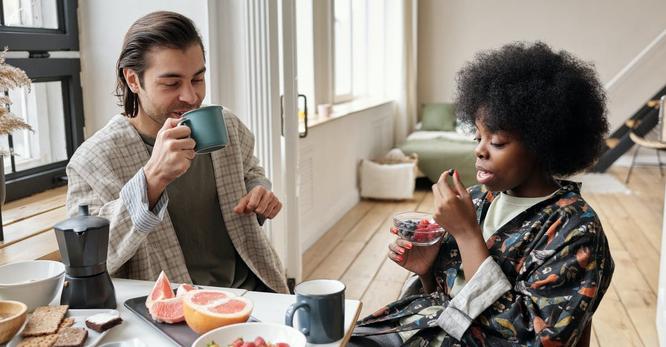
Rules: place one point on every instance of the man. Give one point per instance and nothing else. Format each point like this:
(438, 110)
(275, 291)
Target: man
(197, 217)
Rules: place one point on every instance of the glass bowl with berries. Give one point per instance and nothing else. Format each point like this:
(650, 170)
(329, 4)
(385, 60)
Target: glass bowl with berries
(418, 228)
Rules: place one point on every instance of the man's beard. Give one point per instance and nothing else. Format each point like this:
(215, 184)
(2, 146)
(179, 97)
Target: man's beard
(156, 116)
(159, 117)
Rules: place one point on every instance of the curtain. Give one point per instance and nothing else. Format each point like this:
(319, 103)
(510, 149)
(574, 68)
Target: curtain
(401, 26)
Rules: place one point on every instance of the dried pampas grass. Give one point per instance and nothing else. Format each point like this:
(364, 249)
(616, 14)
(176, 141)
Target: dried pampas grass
(11, 77)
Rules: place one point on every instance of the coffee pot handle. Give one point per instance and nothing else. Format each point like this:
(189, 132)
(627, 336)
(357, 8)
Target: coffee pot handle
(289, 316)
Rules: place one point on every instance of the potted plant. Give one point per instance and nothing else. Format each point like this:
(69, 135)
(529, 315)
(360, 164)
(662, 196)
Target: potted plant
(10, 77)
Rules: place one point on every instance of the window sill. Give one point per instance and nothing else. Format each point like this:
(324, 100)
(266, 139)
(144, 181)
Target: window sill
(348, 108)
(28, 225)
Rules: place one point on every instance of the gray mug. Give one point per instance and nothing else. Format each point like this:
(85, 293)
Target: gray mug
(322, 310)
(208, 128)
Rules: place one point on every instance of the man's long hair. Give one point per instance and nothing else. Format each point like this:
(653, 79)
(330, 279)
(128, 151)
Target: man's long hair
(160, 29)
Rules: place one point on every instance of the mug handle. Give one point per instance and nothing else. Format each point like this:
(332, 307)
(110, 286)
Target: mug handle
(183, 121)
(289, 316)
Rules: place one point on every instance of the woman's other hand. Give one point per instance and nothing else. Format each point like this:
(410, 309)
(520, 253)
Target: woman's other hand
(417, 259)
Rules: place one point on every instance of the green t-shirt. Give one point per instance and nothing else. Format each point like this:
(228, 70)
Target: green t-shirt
(194, 208)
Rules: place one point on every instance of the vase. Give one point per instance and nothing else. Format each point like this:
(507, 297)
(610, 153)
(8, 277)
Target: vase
(2, 193)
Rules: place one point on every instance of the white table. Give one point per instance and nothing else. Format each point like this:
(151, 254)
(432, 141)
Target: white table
(267, 308)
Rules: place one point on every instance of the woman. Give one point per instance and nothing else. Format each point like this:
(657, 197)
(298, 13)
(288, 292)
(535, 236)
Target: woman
(525, 260)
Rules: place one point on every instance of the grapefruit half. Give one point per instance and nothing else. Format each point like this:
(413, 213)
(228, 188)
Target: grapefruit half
(209, 309)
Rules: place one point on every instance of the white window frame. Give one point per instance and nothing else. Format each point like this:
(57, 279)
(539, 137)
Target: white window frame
(345, 97)
(323, 14)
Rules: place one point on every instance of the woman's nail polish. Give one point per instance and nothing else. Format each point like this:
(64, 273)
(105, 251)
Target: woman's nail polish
(408, 246)
(450, 172)
(401, 251)
(398, 258)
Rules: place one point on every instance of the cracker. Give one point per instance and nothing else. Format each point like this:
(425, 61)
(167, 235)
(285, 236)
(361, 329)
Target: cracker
(66, 323)
(45, 320)
(72, 337)
(39, 341)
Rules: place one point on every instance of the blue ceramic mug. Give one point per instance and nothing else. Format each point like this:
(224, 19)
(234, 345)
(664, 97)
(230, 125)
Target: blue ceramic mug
(208, 128)
(321, 307)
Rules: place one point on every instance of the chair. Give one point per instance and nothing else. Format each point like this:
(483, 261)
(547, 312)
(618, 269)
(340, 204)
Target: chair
(585, 337)
(640, 141)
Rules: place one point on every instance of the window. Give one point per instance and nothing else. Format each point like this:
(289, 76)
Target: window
(343, 51)
(54, 106)
(43, 109)
(32, 14)
(39, 25)
(336, 41)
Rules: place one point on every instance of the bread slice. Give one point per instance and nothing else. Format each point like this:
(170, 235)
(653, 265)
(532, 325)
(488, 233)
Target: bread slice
(103, 321)
(71, 337)
(45, 320)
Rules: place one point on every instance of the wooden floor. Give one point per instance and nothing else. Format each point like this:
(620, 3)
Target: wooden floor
(354, 251)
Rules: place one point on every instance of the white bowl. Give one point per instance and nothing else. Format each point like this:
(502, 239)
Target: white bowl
(34, 282)
(271, 332)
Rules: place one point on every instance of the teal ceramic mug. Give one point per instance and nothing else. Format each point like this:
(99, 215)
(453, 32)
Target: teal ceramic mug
(208, 128)
(321, 310)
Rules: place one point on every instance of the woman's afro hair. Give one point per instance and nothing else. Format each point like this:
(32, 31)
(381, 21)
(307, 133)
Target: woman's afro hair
(552, 101)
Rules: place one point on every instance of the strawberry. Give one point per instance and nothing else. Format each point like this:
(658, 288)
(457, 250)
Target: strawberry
(260, 342)
(419, 237)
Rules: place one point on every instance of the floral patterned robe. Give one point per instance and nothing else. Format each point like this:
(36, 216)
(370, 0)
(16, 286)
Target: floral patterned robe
(554, 254)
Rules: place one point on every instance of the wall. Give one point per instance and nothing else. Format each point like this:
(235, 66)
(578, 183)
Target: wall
(102, 27)
(328, 166)
(227, 50)
(640, 79)
(661, 295)
(608, 33)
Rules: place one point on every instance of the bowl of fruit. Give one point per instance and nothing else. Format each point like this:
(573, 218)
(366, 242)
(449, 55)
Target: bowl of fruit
(418, 228)
(252, 335)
